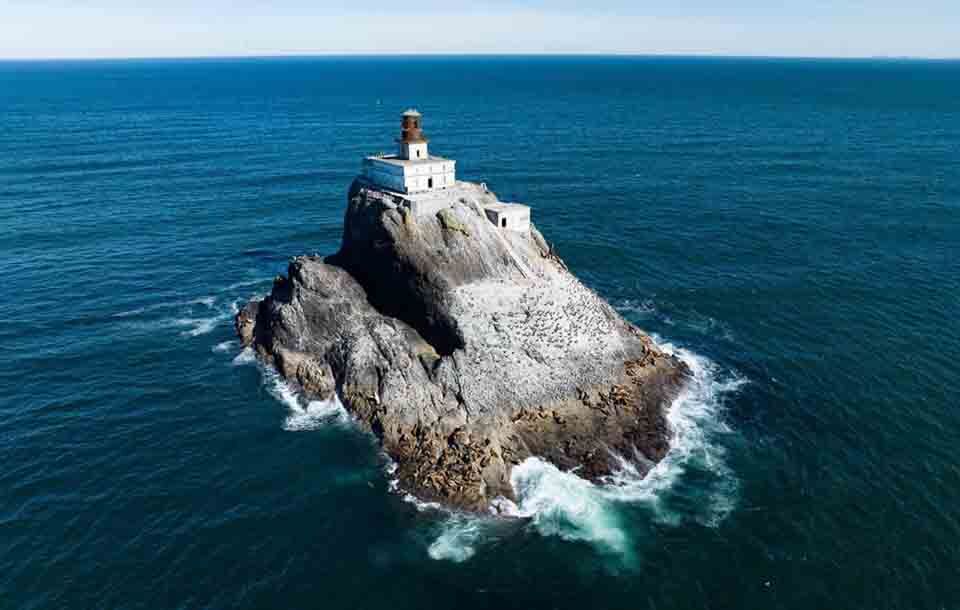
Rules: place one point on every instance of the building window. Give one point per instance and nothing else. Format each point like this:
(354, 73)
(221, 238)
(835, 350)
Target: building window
(429, 183)
(503, 223)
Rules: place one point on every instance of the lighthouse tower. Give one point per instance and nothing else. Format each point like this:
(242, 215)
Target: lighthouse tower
(413, 169)
(413, 144)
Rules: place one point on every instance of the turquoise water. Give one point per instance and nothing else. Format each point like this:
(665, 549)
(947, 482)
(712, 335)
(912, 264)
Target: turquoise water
(789, 227)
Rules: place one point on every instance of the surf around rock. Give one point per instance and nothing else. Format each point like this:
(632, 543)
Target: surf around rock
(465, 348)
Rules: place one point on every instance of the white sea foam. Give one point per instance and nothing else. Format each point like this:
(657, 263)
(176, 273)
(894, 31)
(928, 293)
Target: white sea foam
(225, 346)
(131, 312)
(559, 503)
(304, 414)
(207, 324)
(197, 317)
(207, 301)
(457, 539)
(421, 505)
(315, 414)
(562, 504)
(640, 308)
(456, 533)
(246, 356)
(198, 326)
(232, 287)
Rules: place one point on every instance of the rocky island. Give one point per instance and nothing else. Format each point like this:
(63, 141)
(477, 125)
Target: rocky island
(450, 328)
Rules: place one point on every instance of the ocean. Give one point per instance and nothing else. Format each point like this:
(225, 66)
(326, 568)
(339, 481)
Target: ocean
(790, 228)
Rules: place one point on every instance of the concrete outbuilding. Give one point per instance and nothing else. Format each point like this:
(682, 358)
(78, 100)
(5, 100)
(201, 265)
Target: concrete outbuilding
(511, 216)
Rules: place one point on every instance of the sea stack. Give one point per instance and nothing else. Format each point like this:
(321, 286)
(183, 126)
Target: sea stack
(451, 329)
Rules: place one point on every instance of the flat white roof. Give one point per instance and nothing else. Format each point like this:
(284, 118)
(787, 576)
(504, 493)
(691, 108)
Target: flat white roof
(502, 206)
(393, 160)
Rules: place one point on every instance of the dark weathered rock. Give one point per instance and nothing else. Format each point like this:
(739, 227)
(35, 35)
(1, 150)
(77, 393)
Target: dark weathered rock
(465, 349)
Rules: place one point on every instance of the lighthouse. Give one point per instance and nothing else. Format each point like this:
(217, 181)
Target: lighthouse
(412, 169)
(425, 184)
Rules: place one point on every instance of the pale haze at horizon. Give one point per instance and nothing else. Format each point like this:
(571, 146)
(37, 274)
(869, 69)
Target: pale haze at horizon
(178, 28)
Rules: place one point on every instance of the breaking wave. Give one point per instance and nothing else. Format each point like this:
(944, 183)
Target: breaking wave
(559, 503)
(562, 504)
(304, 414)
(315, 414)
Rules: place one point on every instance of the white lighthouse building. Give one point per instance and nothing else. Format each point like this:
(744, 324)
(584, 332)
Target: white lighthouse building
(413, 169)
(425, 184)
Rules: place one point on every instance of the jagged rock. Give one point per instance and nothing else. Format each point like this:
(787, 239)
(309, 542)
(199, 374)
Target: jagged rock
(465, 349)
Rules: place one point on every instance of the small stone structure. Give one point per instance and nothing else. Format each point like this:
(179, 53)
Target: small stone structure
(426, 184)
(513, 216)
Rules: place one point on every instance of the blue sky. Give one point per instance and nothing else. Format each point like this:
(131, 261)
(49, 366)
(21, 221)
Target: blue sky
(155, 28)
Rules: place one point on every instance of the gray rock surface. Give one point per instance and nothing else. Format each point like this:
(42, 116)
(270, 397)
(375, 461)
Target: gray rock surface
(465, 349)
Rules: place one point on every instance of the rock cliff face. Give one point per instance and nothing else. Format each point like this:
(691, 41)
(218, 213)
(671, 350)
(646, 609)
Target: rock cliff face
(465, 348)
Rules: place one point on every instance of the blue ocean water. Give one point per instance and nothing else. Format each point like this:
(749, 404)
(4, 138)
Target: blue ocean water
(790, 227)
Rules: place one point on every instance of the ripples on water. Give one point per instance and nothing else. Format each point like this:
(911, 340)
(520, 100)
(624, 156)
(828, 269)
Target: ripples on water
(789, 226)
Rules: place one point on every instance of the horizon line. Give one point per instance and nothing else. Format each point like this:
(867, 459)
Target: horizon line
(337, 54)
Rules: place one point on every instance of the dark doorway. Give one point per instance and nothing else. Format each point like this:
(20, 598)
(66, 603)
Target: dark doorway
(429, 183)
(503, 223)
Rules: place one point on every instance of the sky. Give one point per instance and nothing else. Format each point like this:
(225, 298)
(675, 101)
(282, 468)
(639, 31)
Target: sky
(42, 29)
